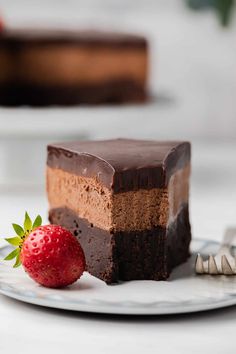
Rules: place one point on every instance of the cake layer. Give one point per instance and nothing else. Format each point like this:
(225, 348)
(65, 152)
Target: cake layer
(70, 66)
(121, 165)
(114, 256)
(134, 210)
(54, 67)
(116, 91)
(51, 67)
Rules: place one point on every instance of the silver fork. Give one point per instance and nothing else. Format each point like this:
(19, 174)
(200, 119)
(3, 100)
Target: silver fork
(223, 262)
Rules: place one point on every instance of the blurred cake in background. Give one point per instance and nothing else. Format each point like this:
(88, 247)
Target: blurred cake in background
(67, 67)
(1, 24)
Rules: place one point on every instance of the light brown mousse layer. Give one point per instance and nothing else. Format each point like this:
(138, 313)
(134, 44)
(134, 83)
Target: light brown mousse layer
(134, 210)
(73, 65)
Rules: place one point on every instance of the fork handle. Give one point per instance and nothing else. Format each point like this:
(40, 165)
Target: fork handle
(229, 238)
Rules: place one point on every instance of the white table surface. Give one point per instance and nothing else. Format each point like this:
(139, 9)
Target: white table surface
(30, 329)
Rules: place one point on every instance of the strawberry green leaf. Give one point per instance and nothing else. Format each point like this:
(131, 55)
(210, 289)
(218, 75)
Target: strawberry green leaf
(37, 222)
(14, 241)
(18, 229)
(27, 223)
(18, 261)
(12, 255)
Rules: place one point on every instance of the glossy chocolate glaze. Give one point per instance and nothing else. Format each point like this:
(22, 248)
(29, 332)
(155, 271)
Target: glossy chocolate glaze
(122, 164)
(33, 36)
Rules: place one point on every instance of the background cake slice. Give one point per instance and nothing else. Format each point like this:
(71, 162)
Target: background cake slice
(126, 201)
(49, 67)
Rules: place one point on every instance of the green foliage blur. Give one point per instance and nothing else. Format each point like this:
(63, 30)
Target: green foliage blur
(223, 8)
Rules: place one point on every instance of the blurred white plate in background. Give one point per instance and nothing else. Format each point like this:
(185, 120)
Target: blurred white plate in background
(25, 133)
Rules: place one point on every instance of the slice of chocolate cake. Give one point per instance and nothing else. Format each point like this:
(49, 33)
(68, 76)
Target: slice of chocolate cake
(126, 201)
(48, 67)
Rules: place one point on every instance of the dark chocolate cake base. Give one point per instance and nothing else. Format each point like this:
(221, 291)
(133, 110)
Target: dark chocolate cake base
(117, 91)
(135, 255)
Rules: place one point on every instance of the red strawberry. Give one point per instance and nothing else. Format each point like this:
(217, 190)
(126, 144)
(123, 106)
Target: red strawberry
(50, 254)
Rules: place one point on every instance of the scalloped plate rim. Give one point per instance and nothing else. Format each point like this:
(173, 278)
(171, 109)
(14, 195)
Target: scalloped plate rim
(121, 308)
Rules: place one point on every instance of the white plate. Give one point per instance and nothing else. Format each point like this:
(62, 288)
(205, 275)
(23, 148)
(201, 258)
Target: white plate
(183, 292)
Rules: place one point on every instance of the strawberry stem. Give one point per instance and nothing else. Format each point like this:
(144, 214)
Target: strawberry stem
(21, 234)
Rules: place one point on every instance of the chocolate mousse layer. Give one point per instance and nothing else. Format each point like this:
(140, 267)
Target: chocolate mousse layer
(118, 211)
(126, 201)
(70, 67)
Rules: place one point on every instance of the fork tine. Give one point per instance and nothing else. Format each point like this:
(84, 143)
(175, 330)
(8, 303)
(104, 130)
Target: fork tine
(199, 265)
(226, 267)
(212, 268)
